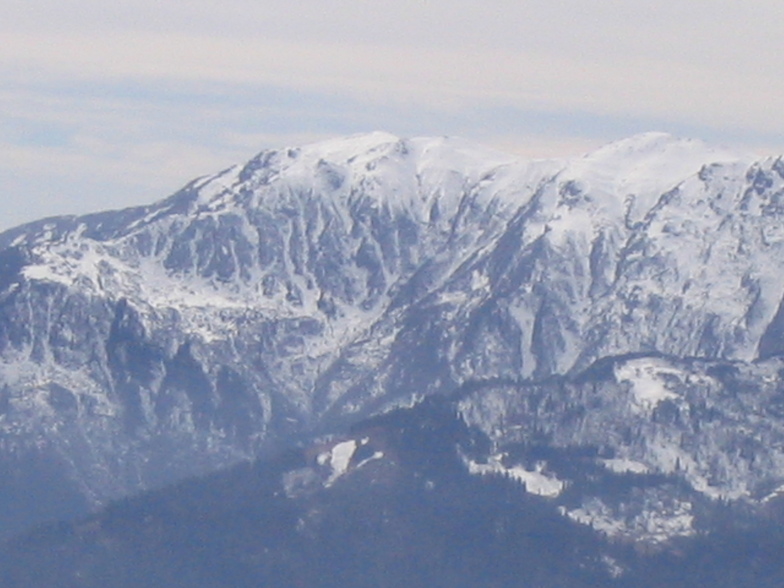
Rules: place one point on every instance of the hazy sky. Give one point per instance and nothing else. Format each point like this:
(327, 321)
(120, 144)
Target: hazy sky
(109, 104)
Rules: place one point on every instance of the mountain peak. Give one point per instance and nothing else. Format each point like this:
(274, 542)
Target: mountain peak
(317, 285)
(343, 149)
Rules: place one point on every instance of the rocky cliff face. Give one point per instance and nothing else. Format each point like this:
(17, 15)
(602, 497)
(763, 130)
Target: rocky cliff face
(314, 286)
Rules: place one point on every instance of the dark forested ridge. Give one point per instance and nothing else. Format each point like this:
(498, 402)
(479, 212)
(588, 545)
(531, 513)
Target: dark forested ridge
(414, 518)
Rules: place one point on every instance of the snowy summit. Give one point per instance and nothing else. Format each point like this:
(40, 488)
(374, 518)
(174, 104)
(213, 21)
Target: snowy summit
(316, 285)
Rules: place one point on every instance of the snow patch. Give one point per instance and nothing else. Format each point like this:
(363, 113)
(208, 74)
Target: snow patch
(657, 523)
(338, 459)
(536, 482)
(623, 466)
(648, 385)
(479, 280)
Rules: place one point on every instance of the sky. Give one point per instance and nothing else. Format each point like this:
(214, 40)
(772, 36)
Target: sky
(114, 104)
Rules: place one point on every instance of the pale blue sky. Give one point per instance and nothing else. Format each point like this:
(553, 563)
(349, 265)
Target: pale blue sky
(114, 104)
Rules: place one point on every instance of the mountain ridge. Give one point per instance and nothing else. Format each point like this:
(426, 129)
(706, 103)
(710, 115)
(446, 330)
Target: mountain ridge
(315, 286)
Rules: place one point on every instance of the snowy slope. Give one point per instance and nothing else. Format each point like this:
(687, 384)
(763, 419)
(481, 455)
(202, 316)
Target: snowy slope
(315, 285)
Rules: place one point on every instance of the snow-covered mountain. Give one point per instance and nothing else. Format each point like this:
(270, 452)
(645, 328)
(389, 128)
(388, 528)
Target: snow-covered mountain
(628, 301)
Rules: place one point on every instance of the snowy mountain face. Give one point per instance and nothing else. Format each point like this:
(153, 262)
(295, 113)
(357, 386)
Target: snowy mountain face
(628, 302)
